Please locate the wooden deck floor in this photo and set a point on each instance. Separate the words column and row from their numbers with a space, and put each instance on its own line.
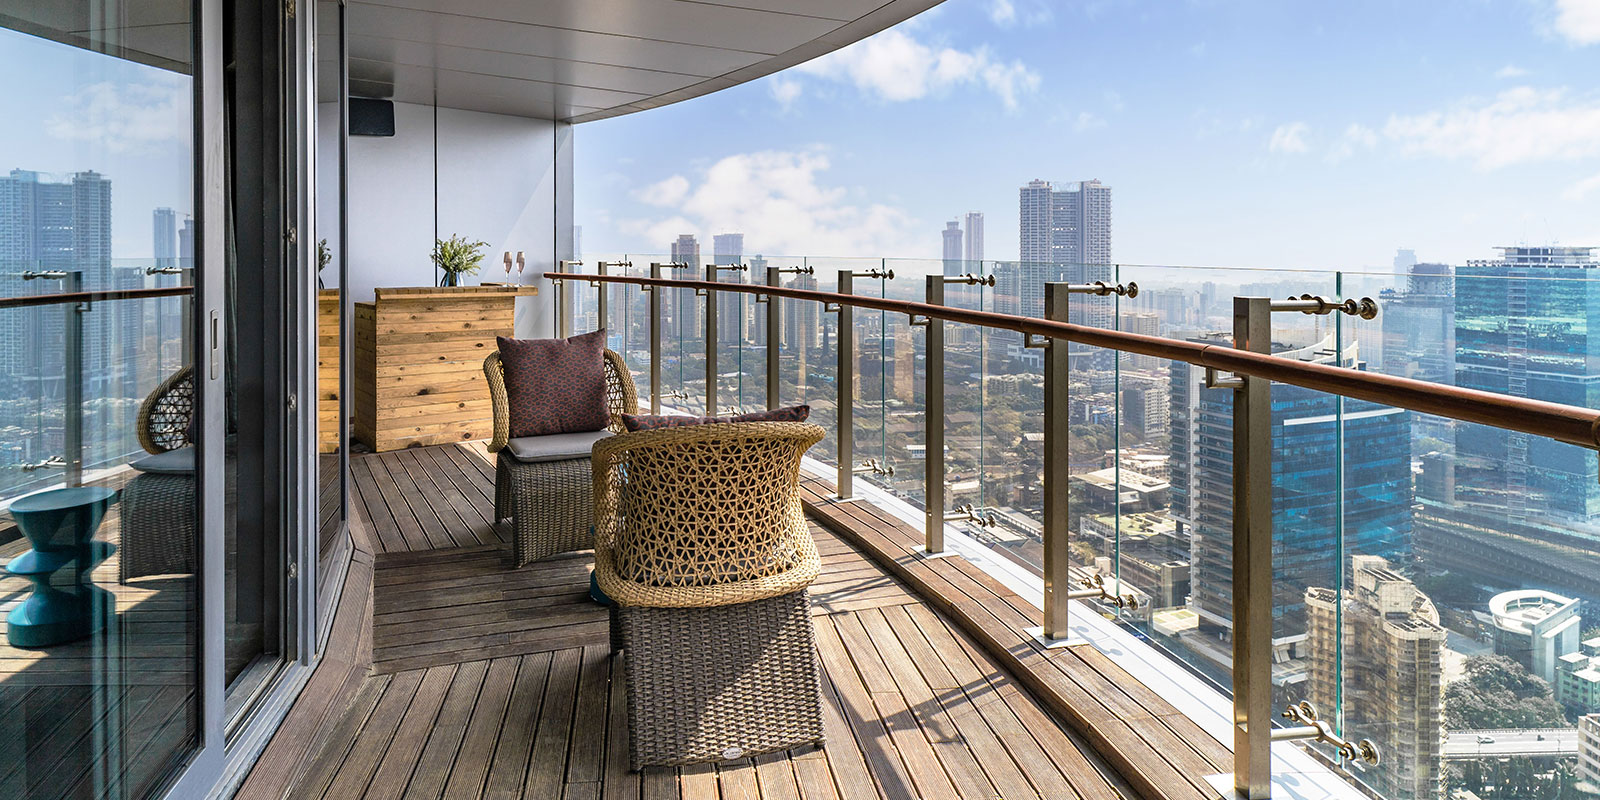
column 491, row 682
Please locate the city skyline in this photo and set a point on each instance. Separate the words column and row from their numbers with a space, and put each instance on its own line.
column 1284, row 118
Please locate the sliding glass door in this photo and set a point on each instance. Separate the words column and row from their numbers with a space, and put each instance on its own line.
column 157, row 426
column 100, row 537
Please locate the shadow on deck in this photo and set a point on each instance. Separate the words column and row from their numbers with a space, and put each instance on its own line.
column 483, row 681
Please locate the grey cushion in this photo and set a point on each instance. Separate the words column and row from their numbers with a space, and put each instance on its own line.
column 555, row 446
column 172, row 462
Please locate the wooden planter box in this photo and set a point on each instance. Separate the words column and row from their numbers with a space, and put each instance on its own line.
column 419, row 363
column 328, row 370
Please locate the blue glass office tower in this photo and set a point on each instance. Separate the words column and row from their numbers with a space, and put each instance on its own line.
column 1310, row 431
column 1529, row 325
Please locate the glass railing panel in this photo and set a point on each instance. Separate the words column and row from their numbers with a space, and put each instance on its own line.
column 965, row 349
column 99, row 674
column 1173, row 535
column 904, row 377
column 1484, row 625
column 820, row 379
column 735, row 315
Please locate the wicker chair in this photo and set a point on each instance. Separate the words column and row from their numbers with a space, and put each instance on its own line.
column 158, row 519
column 701, row 542
column 549, row 500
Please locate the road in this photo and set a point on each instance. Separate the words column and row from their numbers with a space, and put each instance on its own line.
column 1549, row 742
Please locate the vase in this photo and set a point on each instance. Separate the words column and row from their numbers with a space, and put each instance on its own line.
column 450, row 279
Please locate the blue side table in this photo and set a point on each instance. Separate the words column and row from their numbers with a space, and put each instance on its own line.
column 60, row 524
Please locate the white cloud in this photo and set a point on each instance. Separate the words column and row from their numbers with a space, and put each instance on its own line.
column 785, row 91
column 1517, row 126
column 669, row 192
column 1581, row 189
column 1356, row 137
column 1088, row 121
column 1003, row 12
column 1578, row 20
column 125, row 117
column 1289, row 137
column 896, row 67
column 778, row 200
column 1510, row 71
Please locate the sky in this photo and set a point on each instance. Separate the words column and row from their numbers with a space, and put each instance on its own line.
column 65, row 109
column 1256, row 133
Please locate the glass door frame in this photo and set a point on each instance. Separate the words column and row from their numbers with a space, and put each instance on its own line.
column 227, row 748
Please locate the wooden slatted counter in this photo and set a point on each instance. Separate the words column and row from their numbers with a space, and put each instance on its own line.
column 419, row 363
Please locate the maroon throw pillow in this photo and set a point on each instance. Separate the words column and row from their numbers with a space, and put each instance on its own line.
column 556, row 385
column 648, row 422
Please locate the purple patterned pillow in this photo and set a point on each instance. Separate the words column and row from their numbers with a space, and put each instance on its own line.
column 556, row 385
column 649, row 422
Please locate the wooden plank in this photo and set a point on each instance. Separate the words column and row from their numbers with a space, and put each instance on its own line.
column 587, row 756
column 394, row 773
column 618, row 782
column 509, row 770
column 370, row 743
column 324, row 768
column 549, row 766
column 483, row 730
column 444, row 739
column 700, row 781
column 735, row 779
column 859, row 713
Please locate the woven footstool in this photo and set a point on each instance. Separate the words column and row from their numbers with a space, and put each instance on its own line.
column 701, row 543
column 550, row 503
column 720, row 683
column 157, row 521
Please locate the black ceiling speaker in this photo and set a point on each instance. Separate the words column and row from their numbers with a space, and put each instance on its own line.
column 369, row 117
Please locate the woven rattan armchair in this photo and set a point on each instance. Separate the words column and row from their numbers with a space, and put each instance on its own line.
column 158, row 519
column 549, row 501
column 701, row 543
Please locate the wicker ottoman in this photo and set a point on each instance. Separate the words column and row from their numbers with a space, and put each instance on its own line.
column 550, row 503
column 719, row 683
column 157, row 526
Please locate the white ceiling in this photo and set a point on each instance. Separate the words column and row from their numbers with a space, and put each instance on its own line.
column 582, row 60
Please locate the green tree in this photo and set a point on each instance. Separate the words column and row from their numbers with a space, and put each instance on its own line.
column 1498, row 693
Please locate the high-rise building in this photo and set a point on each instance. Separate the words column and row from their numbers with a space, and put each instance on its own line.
column 164, row 237
column 1390, row 667
column 972, row 230
column 1065, row 234
column 732, row 309
column 952, row 248
column 1146, row 323
column 186, row 243
column 1404, row 260
column 1522, row 325
column 802, row 328
column 1589, row 748
column 758, row 274
column 56, row 223
column 726, row 248
column 1309, row 431
column 688, row 314
column 1146, row 409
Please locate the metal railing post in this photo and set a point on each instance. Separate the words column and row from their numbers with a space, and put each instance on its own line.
column 774, row 334
column 558, row 290
column 845, row 386
column 711, row 341
column 1252, row 557
column 933, row 423
column 1057, row 469
column 601, row 306
column 72, row 440
column 655, row 339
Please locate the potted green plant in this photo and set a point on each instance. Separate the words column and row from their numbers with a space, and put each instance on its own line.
column 324, row 257
column 457, row 256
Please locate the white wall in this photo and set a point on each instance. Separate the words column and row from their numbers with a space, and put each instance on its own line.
column 500, row 179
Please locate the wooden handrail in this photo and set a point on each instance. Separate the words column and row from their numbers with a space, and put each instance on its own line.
column 1570, row 424
column 93, row 297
